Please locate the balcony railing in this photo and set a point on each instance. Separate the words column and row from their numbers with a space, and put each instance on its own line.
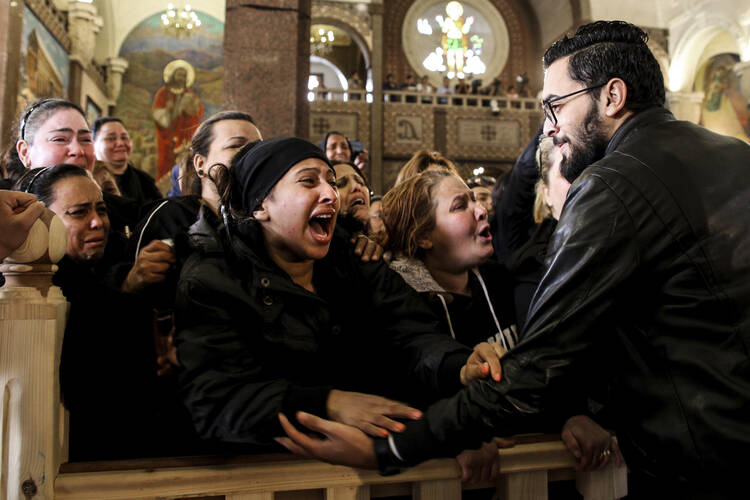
column 427, row 99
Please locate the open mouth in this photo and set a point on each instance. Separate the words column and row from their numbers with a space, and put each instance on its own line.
column 357, row 203
column 485, row 233
column 321, row 224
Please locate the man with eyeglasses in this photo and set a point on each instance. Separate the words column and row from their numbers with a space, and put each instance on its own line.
column 647, row 287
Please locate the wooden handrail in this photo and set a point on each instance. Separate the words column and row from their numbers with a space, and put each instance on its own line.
column 285, row 473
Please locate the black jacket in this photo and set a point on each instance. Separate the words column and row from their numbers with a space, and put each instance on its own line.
column 252, row 343
column 137, row 185
column 647, row 283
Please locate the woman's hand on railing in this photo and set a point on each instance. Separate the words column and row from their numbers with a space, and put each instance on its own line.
column 592, row 446
column 484, row 361
column 369, row 413
column 343, row 444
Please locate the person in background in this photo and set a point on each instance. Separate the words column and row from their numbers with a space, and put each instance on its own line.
column 376, row 214
column 482, row 186
column 338, row 149
column 105, row 179
column 113, row 147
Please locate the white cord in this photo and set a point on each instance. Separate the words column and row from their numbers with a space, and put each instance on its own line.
column 447, row 315
column 492, row 311
column 140, row 237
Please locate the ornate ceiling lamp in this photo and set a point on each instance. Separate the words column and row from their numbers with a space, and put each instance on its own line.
column 180, row 22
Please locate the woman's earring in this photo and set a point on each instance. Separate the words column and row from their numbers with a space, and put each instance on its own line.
column 201, row 173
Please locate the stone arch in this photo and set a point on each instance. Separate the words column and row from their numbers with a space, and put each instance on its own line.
column 356, row 25
column 688, row 49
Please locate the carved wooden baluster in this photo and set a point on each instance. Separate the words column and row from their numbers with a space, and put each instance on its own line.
column 33, row 429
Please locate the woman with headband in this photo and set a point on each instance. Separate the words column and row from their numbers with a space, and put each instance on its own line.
column 53, row 131
column 273, row 309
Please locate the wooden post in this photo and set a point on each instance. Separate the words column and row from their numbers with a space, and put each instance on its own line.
column 444, row 489
column 348, row 493
column 33, row 431
column 524, row 486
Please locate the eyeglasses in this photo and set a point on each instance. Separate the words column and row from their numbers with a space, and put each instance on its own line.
column 549, row 114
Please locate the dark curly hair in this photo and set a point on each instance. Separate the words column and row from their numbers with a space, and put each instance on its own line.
column 604, row 50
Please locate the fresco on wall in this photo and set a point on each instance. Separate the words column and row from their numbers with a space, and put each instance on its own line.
column 170, row 85
column 725, row 110
column 44, row 63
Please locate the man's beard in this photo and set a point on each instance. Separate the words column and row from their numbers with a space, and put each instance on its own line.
column 592, row 145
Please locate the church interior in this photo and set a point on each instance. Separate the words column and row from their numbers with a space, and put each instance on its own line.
column 462, row 78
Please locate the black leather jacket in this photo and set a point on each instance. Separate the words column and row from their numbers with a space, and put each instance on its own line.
column 647, row 283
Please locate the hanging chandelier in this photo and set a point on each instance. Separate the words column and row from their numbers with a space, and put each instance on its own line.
column 321, row 43
column 180, row 22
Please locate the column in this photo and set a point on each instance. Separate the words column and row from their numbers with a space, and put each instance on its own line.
column 267, row 62
column 11, row 23
column 742, row 70
column 116, row 67
column 376, row 108
column 83, row 25
column 686, row 105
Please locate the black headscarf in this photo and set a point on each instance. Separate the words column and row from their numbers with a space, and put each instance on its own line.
column 257, row 169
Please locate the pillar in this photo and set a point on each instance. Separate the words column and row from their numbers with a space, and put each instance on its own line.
column 376, row 108
column 11, row 24
column 742, row 70
column 686, row 105
column 267, row 62
column 116, row 67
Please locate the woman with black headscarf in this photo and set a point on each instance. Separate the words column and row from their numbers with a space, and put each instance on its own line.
column 276, row 314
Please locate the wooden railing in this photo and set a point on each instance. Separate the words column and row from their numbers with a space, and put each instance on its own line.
column 525, row 471
column 33, row 431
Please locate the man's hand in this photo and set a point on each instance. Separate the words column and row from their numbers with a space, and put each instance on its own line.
column 168, row 361
column 362, row 160
column 18, row 212
column 368, row 413
column 484, row 361
column 479, row 466
column 590, row 444
column 343, row 444
column 366, row 249
column 151, row 266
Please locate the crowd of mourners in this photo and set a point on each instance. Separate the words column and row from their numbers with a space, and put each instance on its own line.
column 279, row 286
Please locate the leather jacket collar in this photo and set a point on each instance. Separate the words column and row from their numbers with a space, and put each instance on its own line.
column 635, row 123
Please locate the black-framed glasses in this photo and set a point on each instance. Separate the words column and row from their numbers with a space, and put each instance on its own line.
column 549, row 114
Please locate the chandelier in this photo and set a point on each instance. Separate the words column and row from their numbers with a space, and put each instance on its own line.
column 321, row 43
column 179, row 22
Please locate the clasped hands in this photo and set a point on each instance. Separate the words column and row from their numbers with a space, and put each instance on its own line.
column 354, row 415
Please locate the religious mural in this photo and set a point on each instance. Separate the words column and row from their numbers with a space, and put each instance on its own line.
column 170, row 85
column 44, row 63
column 725, row 110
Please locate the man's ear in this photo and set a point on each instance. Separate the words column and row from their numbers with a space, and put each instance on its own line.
column 261, row 214
column 614, row 94
column 23, row 152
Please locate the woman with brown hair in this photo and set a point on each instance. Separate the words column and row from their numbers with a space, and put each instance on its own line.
column 424, row 160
